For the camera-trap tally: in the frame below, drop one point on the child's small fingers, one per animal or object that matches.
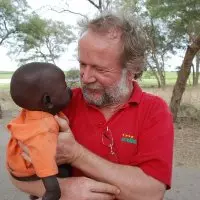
(26, 157)
(23, 147)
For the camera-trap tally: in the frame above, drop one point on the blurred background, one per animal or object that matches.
(33, 30)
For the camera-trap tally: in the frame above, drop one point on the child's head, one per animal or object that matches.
(40, 87)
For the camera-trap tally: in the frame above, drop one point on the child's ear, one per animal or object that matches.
(47, 102)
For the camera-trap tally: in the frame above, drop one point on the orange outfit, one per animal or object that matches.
(39, 132)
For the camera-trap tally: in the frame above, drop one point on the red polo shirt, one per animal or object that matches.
(142, 132)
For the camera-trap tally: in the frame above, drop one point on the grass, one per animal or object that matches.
(4, 86)
(148, 80)
(5, 75)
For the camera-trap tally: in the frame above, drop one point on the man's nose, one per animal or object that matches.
(88, 74)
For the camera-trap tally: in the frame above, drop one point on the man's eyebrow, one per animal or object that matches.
(80, 61)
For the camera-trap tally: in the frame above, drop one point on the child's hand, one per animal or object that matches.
(25, 152)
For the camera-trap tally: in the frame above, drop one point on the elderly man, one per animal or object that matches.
(120, 140)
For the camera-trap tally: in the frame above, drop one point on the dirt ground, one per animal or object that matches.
(186, 174)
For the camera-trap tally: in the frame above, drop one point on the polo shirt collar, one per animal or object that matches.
(136, 94)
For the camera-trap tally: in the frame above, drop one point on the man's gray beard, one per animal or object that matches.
(112, 95)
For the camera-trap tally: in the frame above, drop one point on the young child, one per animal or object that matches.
(40, 89)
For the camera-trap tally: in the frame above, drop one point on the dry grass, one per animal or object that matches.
(191, 95)
(187, 134)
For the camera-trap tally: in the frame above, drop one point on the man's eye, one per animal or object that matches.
(99, 69)
(82, 64)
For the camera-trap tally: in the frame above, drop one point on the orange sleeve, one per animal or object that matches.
(42, 150)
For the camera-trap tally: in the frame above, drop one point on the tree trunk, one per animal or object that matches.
(193, 75)
(156, 75)
(0, 112)
(162, 77)
(160, 73)
(157, 78)
(196, 78)
(183, 75)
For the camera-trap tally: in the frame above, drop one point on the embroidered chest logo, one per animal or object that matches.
(128, 138)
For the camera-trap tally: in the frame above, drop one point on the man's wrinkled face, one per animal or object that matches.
(101, 95)
(102, 78)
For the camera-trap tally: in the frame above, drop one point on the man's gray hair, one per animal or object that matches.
(133, 42)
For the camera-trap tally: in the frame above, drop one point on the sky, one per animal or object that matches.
(67, 60)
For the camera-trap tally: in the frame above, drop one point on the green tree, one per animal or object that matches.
(72, 77)
(42, 40)
(159, 43)
(183, 19)
(12, 13)
(28, 37)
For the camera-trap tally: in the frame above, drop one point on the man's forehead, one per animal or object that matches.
(110, 37)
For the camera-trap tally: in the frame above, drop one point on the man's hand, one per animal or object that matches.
(68, 150)
(82, 188)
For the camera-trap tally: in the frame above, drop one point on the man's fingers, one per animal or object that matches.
(105, 188)
(62, 115)
(63, 123)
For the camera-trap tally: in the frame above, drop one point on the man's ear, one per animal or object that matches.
(130, 76)
(46, 100)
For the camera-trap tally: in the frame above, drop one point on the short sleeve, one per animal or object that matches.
(155, 143)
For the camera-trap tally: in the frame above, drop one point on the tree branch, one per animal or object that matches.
(100, 5)
(42, 54)
(66, 10)
(5, 26)
(5, 37)
(7, 34)
(48, 44)
(95, 5)
(108, 2)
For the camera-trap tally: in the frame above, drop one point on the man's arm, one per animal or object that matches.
(134, 184)
(150, 171)
(76, 188)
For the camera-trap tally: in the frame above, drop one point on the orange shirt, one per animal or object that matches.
(39, 132)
